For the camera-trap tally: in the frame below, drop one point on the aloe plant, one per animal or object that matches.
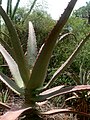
(80, 99)
(31, 7)
(29, 72)
(12, 11)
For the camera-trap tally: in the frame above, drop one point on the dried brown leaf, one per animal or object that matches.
(56, 111)
(13, 115)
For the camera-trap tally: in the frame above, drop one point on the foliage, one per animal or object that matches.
(4, 96)
(12, 12)
(29, 77)
(83, 12)
(79, 100)
(80, 28)
(39, 18)
(78, 71)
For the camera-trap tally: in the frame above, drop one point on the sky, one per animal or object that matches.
(54, 7)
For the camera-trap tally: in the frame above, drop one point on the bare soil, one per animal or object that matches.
(16, 102)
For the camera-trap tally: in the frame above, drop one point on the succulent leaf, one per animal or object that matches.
(19, 55)
(62, 37)
(40, 68)
(68, 61)
(12, 66)
(28, 13)
(51, 93)
(31, 46)
(13, 115)
(56, 111)
(11, 84)
(8, 48)
(15, 8)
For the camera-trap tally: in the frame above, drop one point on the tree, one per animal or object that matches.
(83, 12)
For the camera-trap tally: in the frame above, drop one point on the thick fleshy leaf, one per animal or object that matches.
(8, 6)
(31, 46)
(56, 111)
(46, 95)
(19, 55)
(6, 46)
(70, 98)
(28, 13)
(11, 84)
(39, 104)
(65, 36)
(13, 115)
(50, 91)
(68, 61)
(12, 66)
(3, 105)
(40, 68)
(15, 9)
